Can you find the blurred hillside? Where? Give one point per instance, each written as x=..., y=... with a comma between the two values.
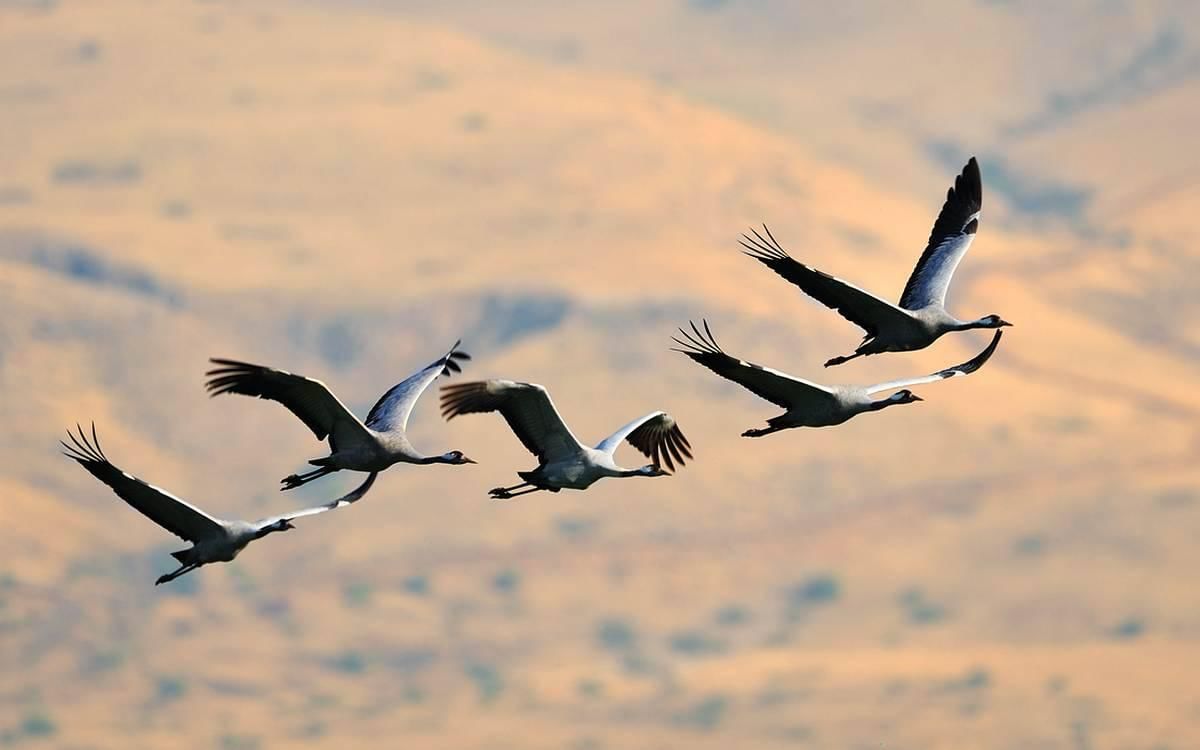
x=344, y=191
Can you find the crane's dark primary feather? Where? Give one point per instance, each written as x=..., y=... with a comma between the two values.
x=973, y=364
x=169, y=512
x=415, y=385
x=451, y=360
x=963, y=200
x=830, y=291
x=703, y=349
x=465, y=398
x=293, y=391
x=661, y=442
x=88, y=453
x=957, y=219
x=475, y=398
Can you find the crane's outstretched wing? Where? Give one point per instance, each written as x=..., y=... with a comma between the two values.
x=966, y=368
x=777, y=387
x=349, y=498
x=310, y=400
x=176, y=516
x=656, y=435
x=948, y=242
x=525, y=406
x=393, y=409
x=861, y=308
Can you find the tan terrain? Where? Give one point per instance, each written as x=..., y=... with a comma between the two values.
x=343, y=192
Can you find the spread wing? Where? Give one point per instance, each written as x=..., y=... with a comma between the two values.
x=525, y=406
x=656, y=435
x=966, y=368
x=349, y=498
x=176, y=516
x=861, y=308
x=777, y=387
x=948, y=242
x=310, y=400
x=392, y=411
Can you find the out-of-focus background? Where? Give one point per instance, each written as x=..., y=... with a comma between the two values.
x=345, y=189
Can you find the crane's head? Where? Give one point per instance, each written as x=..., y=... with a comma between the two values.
x=455, y=457
x=653, y=470
x=280, y=525
x=992, y=321
x=904, y=397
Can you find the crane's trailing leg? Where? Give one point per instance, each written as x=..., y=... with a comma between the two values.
x=843, y=360
x=504, y=494
x=761, y=431
x=499, y=492
x=176, y=573
x=295, y=480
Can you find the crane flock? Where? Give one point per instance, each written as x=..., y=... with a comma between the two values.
x=381, y=440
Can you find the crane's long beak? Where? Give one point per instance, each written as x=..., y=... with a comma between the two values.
x=1004, y=323
x=469, y=461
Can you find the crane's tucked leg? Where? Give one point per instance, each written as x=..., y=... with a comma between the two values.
x=507, y=495
x=761, y=431
x=502, y=490
x=176, y=573
x=843, y=360
x=296, y=480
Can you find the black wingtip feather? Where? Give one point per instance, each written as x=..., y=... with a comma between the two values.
x=958, y=215
x=697, y=343
x=673, y=446
x=969, y=183
x=664, y=446
x=450, y=362
x=766, y=249
x=976, y=362
x=456, y=398
x=86, y=452
x=684, y=444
